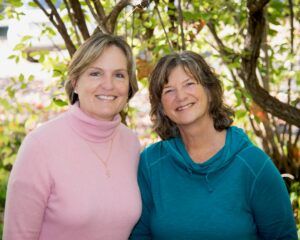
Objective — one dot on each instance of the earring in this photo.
(75, 91)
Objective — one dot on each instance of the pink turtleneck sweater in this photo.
(58, 189)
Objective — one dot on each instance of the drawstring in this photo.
(209, 187)
(208, 184)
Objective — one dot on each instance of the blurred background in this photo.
(37, 39)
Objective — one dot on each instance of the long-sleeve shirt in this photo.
(237, 194)
(59, 190)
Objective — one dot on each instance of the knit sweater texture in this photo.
(238, 194)
(58, 189)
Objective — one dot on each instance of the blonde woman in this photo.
(75, 177)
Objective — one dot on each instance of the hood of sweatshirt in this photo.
(236, 141)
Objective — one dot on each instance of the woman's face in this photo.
(184, 100)
(103, 88)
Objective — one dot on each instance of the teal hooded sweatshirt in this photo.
(238, 194)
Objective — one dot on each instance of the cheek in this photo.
(166, 103)
(80, 85)
(167, 99)
(124, 89)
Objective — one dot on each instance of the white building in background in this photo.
(11, 33)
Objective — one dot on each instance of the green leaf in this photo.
(33, 4)
(59, 102)
(19, 47)
(21, 77)
(16, 3)
(240, 114)
(26, 38)
(188, 16)
(9, 160)
(4, 103)
(23, 86)
(12, 56)
(11, 92)
(148, 24)
(31, 78)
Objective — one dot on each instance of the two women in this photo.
(75, 177)
(205, 179)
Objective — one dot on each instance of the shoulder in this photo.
(154, 148)
(52, 133)
(36, 146)
(128, 136)
(49, 128)
(153, 153)
(255, 159)
(251, 156)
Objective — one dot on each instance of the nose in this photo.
(180, 95)
(107, 83)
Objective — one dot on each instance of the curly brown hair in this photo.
(195, 65)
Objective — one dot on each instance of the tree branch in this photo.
(225, 51)
(180, 19)
(80, 19)
(99, 15)
(163, 26)
(256, 25)
(256, 5)
(99, 9)
(96, 17)
(72, 21)
(59, 25)
(111, 19)
(291, 7)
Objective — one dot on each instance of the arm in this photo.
(272, 207)
(27, 193)
(142, 230)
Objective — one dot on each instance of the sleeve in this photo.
(142, 230)
(27, 193)
(271, 205)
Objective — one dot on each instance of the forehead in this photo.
(178, 73)
(112, 55)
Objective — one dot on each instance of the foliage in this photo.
(295, 199)
(254, 47)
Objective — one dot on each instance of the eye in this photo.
(167, 91)
(95, 74)
(120, 75)
(190, 83)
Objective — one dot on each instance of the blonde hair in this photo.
(88, 53)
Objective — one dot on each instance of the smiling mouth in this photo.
(106, 97)
(181, 108)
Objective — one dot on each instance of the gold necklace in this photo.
(105, 160)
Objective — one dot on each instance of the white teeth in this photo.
(184, 107)
(104, 97)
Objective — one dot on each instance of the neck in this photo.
(202, 141)
(89, 128)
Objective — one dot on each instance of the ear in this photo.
(74, 84)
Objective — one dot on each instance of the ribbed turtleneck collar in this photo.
(89, 128)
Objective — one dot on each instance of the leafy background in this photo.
(252, 45)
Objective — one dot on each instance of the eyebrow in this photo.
(184, 81)
(115, 70)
